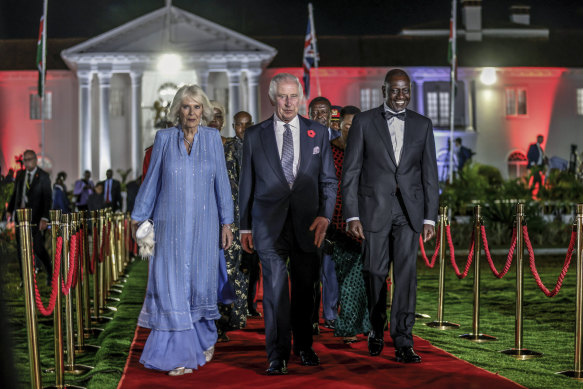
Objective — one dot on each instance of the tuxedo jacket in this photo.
(115, 194)
(40, 195)
(370, 175)
(265, 197)
(533, 155)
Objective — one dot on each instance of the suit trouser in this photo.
(329, 291)
(251, 261)
(280, 315)
(39, 250)
(399, 243)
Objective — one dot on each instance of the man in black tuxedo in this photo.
(390, 196)
(287, 192)
(111, 191)
(32, 189)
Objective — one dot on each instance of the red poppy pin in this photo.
(311, 133)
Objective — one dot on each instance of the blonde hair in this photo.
(216, 104)
(196, 93)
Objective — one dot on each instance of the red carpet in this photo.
(241, 362)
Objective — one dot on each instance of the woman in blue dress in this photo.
(187, 194)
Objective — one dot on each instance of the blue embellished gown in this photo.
(188, 197)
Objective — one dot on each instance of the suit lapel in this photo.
(383, 132)
(407, 136)
(306, 146)
(270, 148)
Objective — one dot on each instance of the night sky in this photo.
(86, 19)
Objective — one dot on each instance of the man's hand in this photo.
(319, 227)
(226, 236)
(355, 229)
(247, 242)
(43, 225)
(428, 232)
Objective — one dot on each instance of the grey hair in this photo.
(196, 93)
(281, 77)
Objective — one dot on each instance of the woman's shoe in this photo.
(208, 354)
(223, 338)
(350, 339)
(179, 371)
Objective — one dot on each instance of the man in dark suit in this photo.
(536, 160)
(390, 196)
(32, 189)
(111, 191)
(287, 191)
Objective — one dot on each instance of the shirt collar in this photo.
(294, 123)
(33, 171)
(390, 110)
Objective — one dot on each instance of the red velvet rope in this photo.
(534, 272)
(93, 252)
(66, 288)
(78, 256)
(435, 253)
(54, 283)
(508, 258)
(452, 255)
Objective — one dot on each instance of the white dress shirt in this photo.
(24, 195)
(295, 129)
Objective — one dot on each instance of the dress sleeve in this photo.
(222, 184)
(150, 188)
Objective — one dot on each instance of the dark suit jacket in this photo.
(370, 175)
(533, 155)
(40, 195)
(265, 198)
(115, 194)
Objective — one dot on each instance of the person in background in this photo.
(132, 191)
(32, 189)
(320, 110)
(60, 199)
(218, 119)
(353, 313)
(112, 191)
(463, 153)
(96, 201)
(83, 189)
(186, 194)
(235, 316)
(536, 161)
(335, 117)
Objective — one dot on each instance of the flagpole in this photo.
(313, 28)
(453, 64)
(43, 79)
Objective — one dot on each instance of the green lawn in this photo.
(548, 324)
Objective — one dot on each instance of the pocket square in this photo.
(316, 150)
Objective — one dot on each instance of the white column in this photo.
(420, 97)
(234, 98)
(85, 161)
(135, 127)
(104, 139)
(203, 79)
(253, 93)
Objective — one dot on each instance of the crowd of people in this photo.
(326, 202)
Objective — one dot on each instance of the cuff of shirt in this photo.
(245, 231)
(430, 222)
(351, 219)
(44, 218)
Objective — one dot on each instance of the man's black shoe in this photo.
(254, 313)
(375, 344)
(330, 324)
(315, 329)
(277, 367)
(407, 355)
(308, 357)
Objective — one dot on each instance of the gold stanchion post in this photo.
(441, 324)
(98, 274)
(70, 366)
(109, 261)
(577, 372)
(518, 351)
(476, 336)
(24, 229)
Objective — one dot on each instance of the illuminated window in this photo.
(515, 102)
(437, 103)
(579, 101)
(370, 98)
(517, 164)
(35, 105)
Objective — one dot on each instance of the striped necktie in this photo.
(287, 155)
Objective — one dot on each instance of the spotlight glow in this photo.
(488, 76)
(169, 63)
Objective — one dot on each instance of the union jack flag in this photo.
(310, 56)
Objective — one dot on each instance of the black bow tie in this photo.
(400, 115)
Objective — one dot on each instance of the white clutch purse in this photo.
(145, 239)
